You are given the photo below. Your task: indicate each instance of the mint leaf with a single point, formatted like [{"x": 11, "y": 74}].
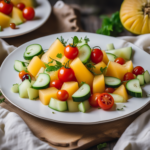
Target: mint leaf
[
  {"x": 81, "y": 83},
  {"x": 120, "y": 108},
  {"x": 100, "y": 146},
  {"x": 62, "y": 40},
  {"x": 2, "y": 100},
  {"x": 0, "y": 94},
  {"x": 59, "y": 55},
  {"x": 86, "y": 39},
  {"x": 75, "y": 40},
  {"x": 103, "y": 69}
]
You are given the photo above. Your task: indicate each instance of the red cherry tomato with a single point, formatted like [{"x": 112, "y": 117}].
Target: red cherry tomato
[
  {"x": 93, "y": 100},
  {"x": 66, "y": 74},
  {"x": 138, "y": 70},
  {"x": 128, "y": 76},
  {"x": 62, "y": 95},
  {"x": 105, "y": 101},
  {"x": 21, "y": 6},
  {"x": 22, "y": 73},
  {"x": 71, "y": 52},
  {"x": 56, "y": 83},
  {"x": 96, "y": 55},
  {"x": 28, "y": 13},
  {"x": 109, "y": 90},
  {"x": 6, "y": 7},
  {"x": 120, "y": 61}
]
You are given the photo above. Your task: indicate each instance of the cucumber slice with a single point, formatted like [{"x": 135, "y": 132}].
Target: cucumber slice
[
  {"x": 81, "y": 43},
  {"x": 58, "y": 105},
  {"x": 111, "y": 57},
  {"x": 73, "y": 106},
  {"x": 84, "y": 106},
  {"x": 110, "y": 46},
  {"x": 23, "y": 88},
  {"x": 15, "y": 88},
  {"x": 42, "y": 81},
  {"x": 82, "y": 94},
  {"x": 32, "y": 50},
  {"x": 141, "y": 79},
  {"x": 117, "y": 98},
  {"x": 112, "y": 82},
  {"x": 125, "y": 52},
  {"x": 32, "y": 93},
  {"x": 19, "y": 65},
  {"x": 84, "y": 53},
  {"x": 133, "y": 88},
  {"x": 146, "y": 77}
]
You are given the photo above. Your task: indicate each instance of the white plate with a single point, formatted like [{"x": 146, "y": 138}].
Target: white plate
[
  {"x": 8, "y": 76},
  {"x": 42, "y": 13}
]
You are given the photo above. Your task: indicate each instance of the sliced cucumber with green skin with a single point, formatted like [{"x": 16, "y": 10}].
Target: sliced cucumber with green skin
[
  {"x": 133, "y": 88},
  {"x": 32, "y": 93},
  {"x": 42, "y": 81},
  {"x": 125, "y": 52},
  {"x": 33, "y": 50},
  {"x": 20, "y": 65},
  {"x": 110, "y": 46},
  {"x": 146, "y": 77},
  {"x": 23, "y": 88},
  {"x": 117, "y": 98},
  {"x": 141, "y": 79},
  {"x": 111, "y": 57},
  {"x": 15, "y": 88},
  {"x": 84, "y": 106},
  {"x": 58, "y": 105},
  {"x": 72, "y": 106},
  {"x": 112, "y": 82},
  {"x": 81, "y": 43},
  {"x": 84, "y": 53}
]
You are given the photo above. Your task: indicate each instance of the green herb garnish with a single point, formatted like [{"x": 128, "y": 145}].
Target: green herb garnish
[
  {"x": 62, "y": 40},
  {"x": 100, "y": 146},
  {"x": 53, "y": 112},
  {"x": 86, "y": 39},
  {"x": 81, "y": 83},
  {"x": 59, "y": 55},
  {"x": 120, "y": 108},
  {"x": 0, "y": 94},
  {"x": 2, "y": 100},
  {"x": 103, "y": 69}
]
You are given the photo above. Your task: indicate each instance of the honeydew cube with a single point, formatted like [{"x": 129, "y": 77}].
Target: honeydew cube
[
  {"x": 105, "y": 58},
  {"x": 70, "y": 87},
  {"x": 99, "y": 84},
  {"x": 73, "y": 106},
  {"x": 35, "y": 65},
  {"x": 46, "y": 94},
  {"x": 129, "y": 66},
  {"x": 82, "y": 74},
  {"x": 4, "y": 20},
  {"x": 98, "y": 66}
]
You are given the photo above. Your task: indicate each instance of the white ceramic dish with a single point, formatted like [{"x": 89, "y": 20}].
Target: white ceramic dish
[
  {"x": 8, "y": 76},
  {"x": 42, "y": 13}
]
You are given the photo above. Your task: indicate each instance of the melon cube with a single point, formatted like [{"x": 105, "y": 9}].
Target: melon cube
[
  {"x": 98, "y": 66},
  {"x": 46, "y": 94},
  {"x": 129, "y": 66},
  {"x": 73, "y": 106},
  {"x": 53, "y": 75},
  {"x": 105, "y": 58},
  {"x": 35, "y": 65},
  {"x": 82, "y": 74},
  {"x": 99, "y": 84},
  {"x": 70, "y": 87},
  {"x": 4, "y": 20}
]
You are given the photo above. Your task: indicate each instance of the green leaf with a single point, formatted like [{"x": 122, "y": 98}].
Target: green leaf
[
  {"x": 120, "y": 108},
  {"x": 59, "y": 55},
  {"x": 75, "y": 40},
  {"x": 100, "y": 146},
  {"x": 81, "y": 83},
  {"x": 103, "y": 69},
  {"x": 0, "y": 94},
  {"x": 86, "y": 39},
  {"x": 2, "y": 100},
  {"x": 62, "y": 40}
]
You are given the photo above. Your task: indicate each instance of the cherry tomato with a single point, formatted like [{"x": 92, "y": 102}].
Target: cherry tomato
[
  {"x": 105, "y": 101},
  {"x": 66, "y": 74},
  {"x": 21, "y": 6},
  {"x": 22, "y": 73},
  {"x": 138, "y": 70},
  {"x": 28, "y": 13},
  {"x": 6, "y": 7},
  {"x": 109, "y": 90},
  {"x": 56, "y": 83},
  {"x": 13, "y": 25},
  {"x": 96, "y": 55},
  {"x": 93, "y": 100},
  {"x": 128, "y": 76},
  {"x": 120, "y": 61},
  {"x": 62, "y": 95},
  {"x": 71, "y": 52}
]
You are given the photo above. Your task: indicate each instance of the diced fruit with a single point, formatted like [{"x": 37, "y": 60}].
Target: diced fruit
[
  {"x": 121, "y": 90},
  {"x": 84, "y": 106},
  {"x": 117, "y": 98},
  {"x": 98, "y": 66},
  {"x": 116, "y": 70},
  {"x": 56, "y": 83},
  {"x": 98, "y": 84},
  {"x": 146, "y": 76},
  {"x": 28, "y": 3},
  {"x": 140, "y": 77},
  {"x": 105, "y": 58},
  {"x": 129, "y": 66},
  {"x": 73, "y": 106},
  {"x": 32, "y": 93},
  {"x": 15, "y": 88},
  {"x": 35, "y": 65},
  {"x": 82, "y": 74},
  {"x": 32, "y": 82},
  {"x": 110, "y": 46},
  {"x": 53, "y": 74},
  {"x": 4, "y": 20},
  {"x": 70, "y": 87},
  {"x": 46, "y": 94},
  {"x": 40, "y": 71},
  {"x": 111, "y": 57},
  {"x": 112, "y": 82}
]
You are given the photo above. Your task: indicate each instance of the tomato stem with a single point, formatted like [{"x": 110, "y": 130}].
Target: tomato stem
[
  {"x": 7, "y": 1},
  {"x": 96, "y": 47}
]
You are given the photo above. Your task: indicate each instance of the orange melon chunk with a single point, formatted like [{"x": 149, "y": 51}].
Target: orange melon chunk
[
  {"x": 129, "y": 66},
  {"x": 98, "y": 66},
  {"x": 4, "y": 20},
  {"x": 105, "y": 58}
]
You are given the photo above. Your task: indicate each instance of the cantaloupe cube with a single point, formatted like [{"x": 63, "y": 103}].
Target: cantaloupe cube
[
  {"x": 121, "y": 90},
  {"x": 35, "y": 65},
  {"x": 45, "y": 59},
  {"x": 53, "y": 75},
  {"x": 98, "y": 66},
  {"x": 46, "y": 94},
  {"x": 81, "y": 72},
  {"x": 129, "y": 66},
  {"x": 99, "y": 84},
  {"x": 70, "y": 87},
  {"x": 116, "y": 70},
  {"x": 4, "y": 20},
  {"x": 105, "y": 58}
]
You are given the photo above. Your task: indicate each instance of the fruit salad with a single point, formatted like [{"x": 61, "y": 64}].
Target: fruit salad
[{"x": 75, "y": 77}]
